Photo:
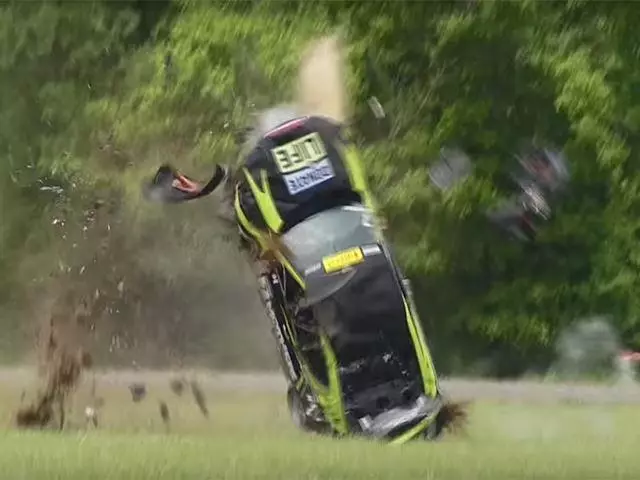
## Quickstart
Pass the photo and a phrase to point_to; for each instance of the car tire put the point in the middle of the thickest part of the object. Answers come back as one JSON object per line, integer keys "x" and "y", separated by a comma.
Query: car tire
{"x": 434, "y": 431}
{"x": 301, "y": 420}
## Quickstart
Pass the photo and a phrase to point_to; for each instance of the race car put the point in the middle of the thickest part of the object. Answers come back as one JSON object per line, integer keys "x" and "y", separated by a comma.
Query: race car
{"x": 350, "y": 340}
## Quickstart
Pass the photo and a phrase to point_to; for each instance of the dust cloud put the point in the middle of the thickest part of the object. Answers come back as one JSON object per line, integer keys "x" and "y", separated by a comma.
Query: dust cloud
{"x": 131, "y": 290}
{"x": 587, "y": 348}
{"x": 321, "y": 83}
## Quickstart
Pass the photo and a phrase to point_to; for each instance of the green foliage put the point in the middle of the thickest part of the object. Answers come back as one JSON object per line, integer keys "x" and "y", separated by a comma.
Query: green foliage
{"x": 53, "y": 60}
{"x": 95, "y": 95}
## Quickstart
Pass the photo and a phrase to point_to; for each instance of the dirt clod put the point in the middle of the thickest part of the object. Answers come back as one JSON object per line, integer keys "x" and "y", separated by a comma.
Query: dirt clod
{"x": 454, "y": 417}
{"x": 199, "y": 397}
{"x": 138, "y": 391}
{"x": 164, "y": 413}
{"x": 177, "y": 386}
{"x": 63, "y": 375}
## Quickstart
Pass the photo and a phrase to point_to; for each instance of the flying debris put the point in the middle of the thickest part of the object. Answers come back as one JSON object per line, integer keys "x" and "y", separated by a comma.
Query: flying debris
{"x": 177, "y": 386}
{"x": 164, "y": 413}
{"x": 91, "y": 416}
{"x": 377, "y": 108}
{"x": 199, "y": 397}
{"x": 453, "y": 166}
{"x": 138, "y": 391}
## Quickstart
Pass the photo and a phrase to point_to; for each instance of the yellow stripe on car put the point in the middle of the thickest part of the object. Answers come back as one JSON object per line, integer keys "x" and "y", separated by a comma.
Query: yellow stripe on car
{"x": 422, "y": 351}
{"x": 262, "y": 239}
{"x": 265, "y": 201}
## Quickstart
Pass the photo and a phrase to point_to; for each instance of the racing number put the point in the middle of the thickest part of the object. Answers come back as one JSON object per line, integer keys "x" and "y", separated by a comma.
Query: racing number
{"x": 300, "y": 153}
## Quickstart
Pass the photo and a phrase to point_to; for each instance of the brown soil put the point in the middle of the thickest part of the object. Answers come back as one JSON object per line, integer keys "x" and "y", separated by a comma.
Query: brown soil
{"x": 62, "y": 362}
{"x": 454, "y": 417}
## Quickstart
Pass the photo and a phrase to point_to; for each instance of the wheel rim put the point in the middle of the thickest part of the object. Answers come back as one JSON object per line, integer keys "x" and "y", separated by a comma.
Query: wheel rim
{"x": 295, "y": 409}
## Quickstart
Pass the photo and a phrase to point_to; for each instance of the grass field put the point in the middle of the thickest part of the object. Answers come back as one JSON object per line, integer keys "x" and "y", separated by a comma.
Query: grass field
{"x": 248, "y": 435}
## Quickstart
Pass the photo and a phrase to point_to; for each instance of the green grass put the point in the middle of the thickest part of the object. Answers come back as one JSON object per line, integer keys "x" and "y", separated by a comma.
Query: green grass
{"x": 250, "y": 437}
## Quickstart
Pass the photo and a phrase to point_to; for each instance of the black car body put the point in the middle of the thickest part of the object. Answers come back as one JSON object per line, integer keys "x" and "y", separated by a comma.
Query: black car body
{"x": 350, "y": 341}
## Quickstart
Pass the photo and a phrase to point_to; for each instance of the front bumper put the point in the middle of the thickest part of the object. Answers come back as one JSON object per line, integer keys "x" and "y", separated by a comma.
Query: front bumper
{"x": 401, "y": 421}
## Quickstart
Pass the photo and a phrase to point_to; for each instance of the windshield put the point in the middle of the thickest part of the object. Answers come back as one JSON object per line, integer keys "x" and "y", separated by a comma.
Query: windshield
{"x": 329, "y": 232}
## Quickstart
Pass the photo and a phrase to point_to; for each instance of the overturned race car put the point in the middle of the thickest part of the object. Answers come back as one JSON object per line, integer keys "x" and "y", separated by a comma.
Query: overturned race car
{"x": 351, "y": 344}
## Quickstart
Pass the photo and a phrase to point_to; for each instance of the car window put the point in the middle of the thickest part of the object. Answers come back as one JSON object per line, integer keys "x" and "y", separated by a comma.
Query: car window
{"x": 329, "y": 232}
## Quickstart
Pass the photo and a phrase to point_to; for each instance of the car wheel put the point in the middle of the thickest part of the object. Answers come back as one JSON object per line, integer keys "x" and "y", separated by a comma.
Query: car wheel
{"x": 433, "y": 431}
{"x": 298, "y": 408}
{"x": 295, "y": 408}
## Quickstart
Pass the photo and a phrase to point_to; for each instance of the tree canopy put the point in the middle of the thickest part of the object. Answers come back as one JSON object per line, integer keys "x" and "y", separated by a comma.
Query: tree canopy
{"x": 96, "y": 94}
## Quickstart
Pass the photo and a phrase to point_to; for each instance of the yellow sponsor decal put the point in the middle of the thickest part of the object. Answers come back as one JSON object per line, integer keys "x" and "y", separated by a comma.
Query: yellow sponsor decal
{"x": 338, "y": 261}
{"x": 300, "y": 153}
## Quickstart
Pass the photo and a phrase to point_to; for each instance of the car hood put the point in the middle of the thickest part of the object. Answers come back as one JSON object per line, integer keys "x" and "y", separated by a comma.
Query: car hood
{"x": 359, "y": 300}
{"x": 320, "y": 285}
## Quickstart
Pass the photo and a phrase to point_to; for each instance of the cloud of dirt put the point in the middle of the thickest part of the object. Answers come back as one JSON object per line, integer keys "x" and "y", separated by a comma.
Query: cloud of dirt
{"x": 321, "y": 83}
{"x": 108, "y": 293}
{"x": 61, "y": 359}
{"x": 587, "y": 348}
{"x": 168, "y": 276}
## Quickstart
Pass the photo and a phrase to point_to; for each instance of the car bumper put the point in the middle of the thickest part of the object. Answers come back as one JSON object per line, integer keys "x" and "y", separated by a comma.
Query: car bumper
{"x": 402, "y": 423}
